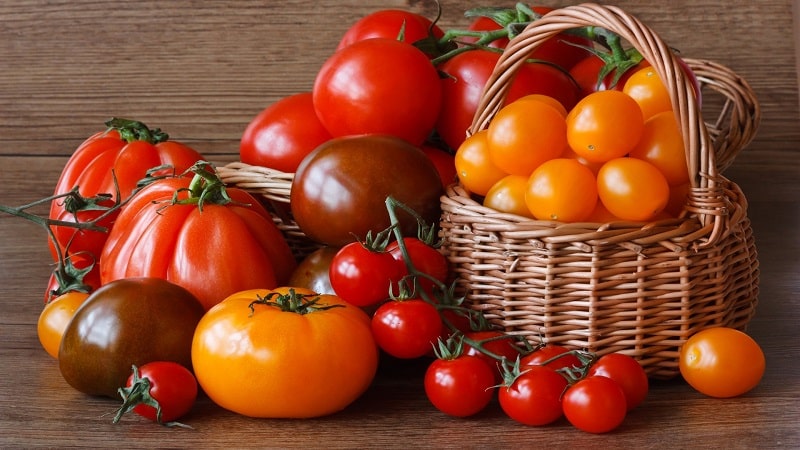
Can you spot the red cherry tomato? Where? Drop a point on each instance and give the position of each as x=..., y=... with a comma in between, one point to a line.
x=406, y=329
x=162, y=391
x=461, y=386
x=362, y=276
x=549, y=353
x=628, y=374
x=595, y=404
x=534, y=398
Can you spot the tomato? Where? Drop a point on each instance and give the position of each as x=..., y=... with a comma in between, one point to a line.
x=475, y=169
x=398, y=24
x=284, y=133
x=508, y=195
x=466, y=75
x=117, y=158
x=632, y=189
x=444, y=163
x=126, y=322
x=496, y=342
x=645, y=86
x=549, y=352
x=339, y=191
x=586, y=74
x=604, y=125
x=534, y=397
x=722, y=362
x=459, y=386
x=80, y=273
x=161, y=391
x=525, y=134
x=55, y=317
x=165, y=232
x=407, y=328
x=313, y=272
x=363, y=276
x=284, y=353
x=628, y=374
x=595, y=404
x=378, y=86
x=561, y=189
x=661, y=144
x=425, y=259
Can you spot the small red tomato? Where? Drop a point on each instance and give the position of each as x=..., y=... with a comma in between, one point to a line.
x=534, y=397
x=362, y=276
x=549, y=353
x=425, y=259
x=406, y=328
x=627, y=372
x=595, y=404
x=162, y=391
x=461, y=386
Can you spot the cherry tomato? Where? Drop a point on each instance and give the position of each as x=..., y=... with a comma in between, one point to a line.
x=534, y=397
x=595, y=404
x=632, y=189
x=628, y=374
x=548, y=353
x=475, y=169
x=561, y=189
x=722, y=362
x=645, y=86
x=496, y=342
x=391, y=24
x=508, y=195
x=406, y=329
x=55, y=317
x=586, y=74
x=284, y=133
x=425, y=259
x=604, y=125
x=661, y=144
x=161, y=391
x=461, y=386
x=362, y=276
x=378, y=86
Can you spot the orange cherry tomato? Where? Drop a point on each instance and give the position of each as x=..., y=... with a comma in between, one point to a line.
x=561, y=189
x=661, y=144
x=508, y=195
x=55, y=317
x=632, y=189
x=476, y=171
x=646, y=88
x=604, y=125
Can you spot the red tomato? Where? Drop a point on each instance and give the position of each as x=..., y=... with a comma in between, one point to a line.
x=213, y=250
x=628, y=374
x=406, y=329
x=281, y=135
x=548, y=353
x=362, y=276
x=595, y=404
x=444, y=162
x=586, y=74
x=461, y=386
x=117, y=158
x=379, y=86
x=425, y=259
x=496, y=342
x=162, y=391
x=534, y=397
x=391, y=24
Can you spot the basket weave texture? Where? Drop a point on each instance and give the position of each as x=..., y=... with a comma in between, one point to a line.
x=639, y=289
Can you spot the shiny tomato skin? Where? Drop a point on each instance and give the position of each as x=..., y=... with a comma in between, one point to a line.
x=270, y=363
x=378, y=86
x=236, y=245
x=474, y=166
x=93, y=168
x=362, y=276
x=595, y=404
x=389, y=24
x=55, y=317
x=126, y=322
x=406, y=329
x=282, y=134
x=172, y=385
x=628, y=374
x=508, y=195
x=722, y=362
x=339, y=191
x=632, y=189
x=459, y=387
x=425, y=259
x=534, y=398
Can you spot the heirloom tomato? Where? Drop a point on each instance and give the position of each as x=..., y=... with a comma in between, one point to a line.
x=79, y=273
x=212, y=240
x=55, y=317
x=284, y=353
x=595, y=404
x=381, y=86
x=628, y=374
x=460, y=386
x=161, y=391
x=281, y=135
x=339, y=191
x=721, y=362
x=397, y=24
x=534, y=396
x=407, y=328
x=126, y=322
x=604, y=125
x=115, y=159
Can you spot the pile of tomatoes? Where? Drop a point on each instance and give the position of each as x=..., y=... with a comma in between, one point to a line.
x=149, y=241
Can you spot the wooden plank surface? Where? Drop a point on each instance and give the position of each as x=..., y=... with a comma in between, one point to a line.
x=202, y=70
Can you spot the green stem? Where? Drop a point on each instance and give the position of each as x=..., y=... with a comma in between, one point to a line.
x=133, y=130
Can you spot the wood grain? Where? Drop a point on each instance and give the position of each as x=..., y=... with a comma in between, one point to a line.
x=202, y=70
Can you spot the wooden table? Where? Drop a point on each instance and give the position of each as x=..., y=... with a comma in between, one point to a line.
x=202, y=70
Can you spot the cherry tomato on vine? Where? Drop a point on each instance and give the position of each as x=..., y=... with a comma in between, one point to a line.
x=161, y=391
x=628, y=374
x=407, y=328
x=475, y=169
x=547, y=353
x=425, y=259
x=561, y=189
x=496, y=342
x=722, y=362
x=391, y=24
x=604, y=125
x=534, y=397
x=632, y=189
x=362, y=276
x=595, y=404
x=661, y=144
x=55, y=317
x=460, y=386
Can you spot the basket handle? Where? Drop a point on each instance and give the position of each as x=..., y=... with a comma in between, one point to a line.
x=703, y=172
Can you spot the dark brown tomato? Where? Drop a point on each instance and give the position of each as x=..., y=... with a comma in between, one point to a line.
x=313, y=271
x=339, y=191
x=126, y=322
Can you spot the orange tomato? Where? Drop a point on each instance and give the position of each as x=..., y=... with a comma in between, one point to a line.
x=476, y=171
x=55, y=317
x=661, y=144
x=604, y=125
x=508, y=195
x=646, y=88
x=561, y=189
x=632, y=189
x=268, y=353
x=524, y=134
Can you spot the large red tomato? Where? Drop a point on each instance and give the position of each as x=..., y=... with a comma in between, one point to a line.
x=211, y=248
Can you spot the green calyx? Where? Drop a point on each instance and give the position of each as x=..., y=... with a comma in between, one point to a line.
x=133, y=130
x=205, y=187
x=293, y=302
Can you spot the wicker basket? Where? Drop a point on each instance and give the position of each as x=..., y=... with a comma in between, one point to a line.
x=639, y=289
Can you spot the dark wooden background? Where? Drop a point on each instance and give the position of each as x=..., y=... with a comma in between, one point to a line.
x=202, y=69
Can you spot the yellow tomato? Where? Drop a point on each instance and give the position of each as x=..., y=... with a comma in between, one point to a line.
x=55, y=317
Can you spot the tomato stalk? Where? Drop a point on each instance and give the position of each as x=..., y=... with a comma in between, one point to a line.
x=205, y=187
x=294, y=302
x=133, y=130
x=138, y=393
